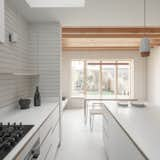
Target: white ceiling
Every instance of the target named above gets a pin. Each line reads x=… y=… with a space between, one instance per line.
x=96 y=13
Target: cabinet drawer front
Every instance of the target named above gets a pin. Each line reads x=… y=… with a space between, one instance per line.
x=28 y=147
x=54 y=146
x=50 y=122
x=45 y=146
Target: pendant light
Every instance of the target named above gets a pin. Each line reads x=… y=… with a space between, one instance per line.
x=145 y=42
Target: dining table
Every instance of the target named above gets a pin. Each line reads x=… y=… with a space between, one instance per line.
x=97 y=98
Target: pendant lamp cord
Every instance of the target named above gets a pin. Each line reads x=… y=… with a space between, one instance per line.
x=144 y=17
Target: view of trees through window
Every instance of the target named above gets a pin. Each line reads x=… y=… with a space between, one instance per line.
x=107 y=78
x=77 y=77
x=93 y=79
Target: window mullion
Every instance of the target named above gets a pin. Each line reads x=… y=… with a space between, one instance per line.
x=116 y=79
x=100 y=76
x=85 y=78
x=130 y=80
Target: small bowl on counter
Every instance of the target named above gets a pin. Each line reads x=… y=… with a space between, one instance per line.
x=138 y=104
x=24 y=103
x=123 y=104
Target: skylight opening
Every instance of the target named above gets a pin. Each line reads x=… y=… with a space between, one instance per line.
x=55 y=3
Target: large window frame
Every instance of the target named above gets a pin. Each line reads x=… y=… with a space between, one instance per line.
x=116 y=62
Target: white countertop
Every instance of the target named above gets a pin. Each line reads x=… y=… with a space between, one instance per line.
x=33 y=116
x=142 y=125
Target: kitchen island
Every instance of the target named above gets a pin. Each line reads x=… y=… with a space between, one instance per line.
x=131 y=133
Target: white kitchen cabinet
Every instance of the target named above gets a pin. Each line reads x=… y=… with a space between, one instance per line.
x=49 y=124
x=2 y=23
x=117 y=143
x=50 y=136
x=54 y=145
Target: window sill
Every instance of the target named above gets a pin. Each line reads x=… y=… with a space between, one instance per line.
x=78 y=97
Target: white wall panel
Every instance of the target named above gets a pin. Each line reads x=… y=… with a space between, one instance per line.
x=14 y=57
x=37 y=50
x=153 y=78
x=46 y=43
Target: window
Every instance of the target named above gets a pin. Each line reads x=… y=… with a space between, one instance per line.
x=123 y=79
x=93 y=78
x=108 y=78
x=77 y=78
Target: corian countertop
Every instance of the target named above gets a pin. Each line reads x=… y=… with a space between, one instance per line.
x=142 y=125
x=33 y=116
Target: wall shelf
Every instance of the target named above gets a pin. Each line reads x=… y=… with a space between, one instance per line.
x=19 y=74
x=25 y=74
x=6 y=73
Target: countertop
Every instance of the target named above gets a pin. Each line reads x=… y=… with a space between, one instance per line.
x=33 y=116
x=141 y=124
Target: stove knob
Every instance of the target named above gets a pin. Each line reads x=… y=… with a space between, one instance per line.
x=14 y=124
x=8 y=125
x=1 y=126
x=20 y=126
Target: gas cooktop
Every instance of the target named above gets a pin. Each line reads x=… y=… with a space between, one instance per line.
x=10 y=136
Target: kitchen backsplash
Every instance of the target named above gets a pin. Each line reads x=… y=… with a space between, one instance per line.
x=14 y=57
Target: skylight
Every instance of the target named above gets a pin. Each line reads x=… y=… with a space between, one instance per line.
x=55 y=3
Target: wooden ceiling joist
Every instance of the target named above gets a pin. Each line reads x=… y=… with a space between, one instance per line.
x=107 y=38
x=99 y=48
x=111 y=35
x=110 y=30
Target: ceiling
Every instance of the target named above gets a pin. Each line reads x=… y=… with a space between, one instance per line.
x=95 y=13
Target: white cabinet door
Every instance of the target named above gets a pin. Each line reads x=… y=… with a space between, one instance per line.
x=2 y=28
x=120 y=145
x=55 y=142
x=49 y=123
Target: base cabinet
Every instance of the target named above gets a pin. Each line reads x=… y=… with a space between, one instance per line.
x=54 y=146
x=118 y=145
x=50 y=137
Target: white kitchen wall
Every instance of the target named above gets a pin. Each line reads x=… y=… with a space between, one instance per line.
x=139 y=71
x=14 y=58
x=153 y=77
x=45 y=41
x=36 y=51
